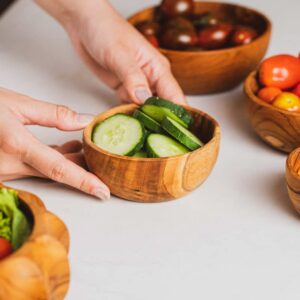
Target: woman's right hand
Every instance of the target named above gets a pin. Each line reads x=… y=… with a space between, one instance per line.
x=23 y=155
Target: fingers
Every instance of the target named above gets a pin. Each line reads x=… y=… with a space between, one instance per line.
x=55 y=166
x=47 y=114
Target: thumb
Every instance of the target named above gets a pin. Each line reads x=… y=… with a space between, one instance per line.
x=131 y=76
x=51 y=115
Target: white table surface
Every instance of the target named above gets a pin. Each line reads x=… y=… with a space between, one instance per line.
x=236 y=237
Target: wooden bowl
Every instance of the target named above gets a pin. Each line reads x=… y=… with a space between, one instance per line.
x=293 y=177
x=40 y=268
x=154 y=179
x=205 y=72
x=277 y=127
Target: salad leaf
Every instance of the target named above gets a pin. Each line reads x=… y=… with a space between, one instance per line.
x=5 y=226
x=19 y=225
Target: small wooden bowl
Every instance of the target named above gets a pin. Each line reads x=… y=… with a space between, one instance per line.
x=205 y=72
x=293 y=178
x=277 y=127
x=40 y=268
x=154 y=179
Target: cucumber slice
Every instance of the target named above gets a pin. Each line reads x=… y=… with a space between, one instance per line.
x=158 y=109
x=147 y=121
x=140 y=154
x=181 y=134
x=119 y=134
x=159 y=145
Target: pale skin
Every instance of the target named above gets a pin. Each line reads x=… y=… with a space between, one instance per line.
x=119 y=56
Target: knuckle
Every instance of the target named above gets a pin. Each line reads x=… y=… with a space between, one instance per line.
x=12 y=144
x=63 y=112
x=57 y=171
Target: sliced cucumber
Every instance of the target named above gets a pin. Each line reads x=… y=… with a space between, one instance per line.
x=158 y=109
x=140 y=153
x=120 y=134
x=181 y=134
x=147 y=121
x=159 y=145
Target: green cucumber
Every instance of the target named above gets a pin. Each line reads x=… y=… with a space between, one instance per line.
x=141 y=154
x=119 y=134
x=181 y=134
x=159 y=145
x=158 y=108
x=147 y=121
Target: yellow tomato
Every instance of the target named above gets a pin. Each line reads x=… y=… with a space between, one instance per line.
x=287 y=101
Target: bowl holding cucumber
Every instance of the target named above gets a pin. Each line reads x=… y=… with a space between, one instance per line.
x=152 y=153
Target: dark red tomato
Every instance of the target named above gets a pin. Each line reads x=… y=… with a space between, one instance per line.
x=214 y=37
x=148 y=28
x=180 y=23
x=243 y=35
x=5 y=248
x=152 y=39
x=178 y=39
x=176 y=8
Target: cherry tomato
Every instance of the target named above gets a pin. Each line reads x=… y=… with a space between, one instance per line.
x=243 y=35
x=287 y=101
x=5 y=248
x=152 y=39
x=296 y=90
x=214 y=37
x=282 y=71
x=180 y=23
x=268 y=94
x=178 y=39
x=177 y=8
x=148 y=28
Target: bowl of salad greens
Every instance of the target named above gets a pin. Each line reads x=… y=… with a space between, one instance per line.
x=151 y=153
x=33 y=248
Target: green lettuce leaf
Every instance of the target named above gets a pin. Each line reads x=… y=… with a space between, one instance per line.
x=19 y=225
x=5 y=226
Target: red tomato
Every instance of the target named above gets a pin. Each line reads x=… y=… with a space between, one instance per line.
x=243 y=35
x=152 y=39
x=177 y=8
x=5 y=248
x=282 y=71
x=214 y=37
x=268 y=94
x=296 y=90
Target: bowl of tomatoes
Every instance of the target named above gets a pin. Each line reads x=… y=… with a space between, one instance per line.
x=33 y=248
x=211 y=46
x=273 y=94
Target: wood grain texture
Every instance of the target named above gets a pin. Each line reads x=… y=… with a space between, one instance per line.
x=277 y=127
x=293 y=178
x=206 y=72
x=154 y=179
x=40 y=268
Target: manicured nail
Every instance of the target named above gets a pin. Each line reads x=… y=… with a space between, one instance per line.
x=142 y=95
x=85 y=119
x=101 y=194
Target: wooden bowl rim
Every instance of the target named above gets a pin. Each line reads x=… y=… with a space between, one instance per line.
x=88 y=141
x=252 y=96
x=289 y=164
x=218 y=51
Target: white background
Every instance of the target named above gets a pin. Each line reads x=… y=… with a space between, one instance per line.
x=236 y=237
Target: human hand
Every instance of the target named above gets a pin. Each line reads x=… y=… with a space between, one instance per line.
x=118 y=54
x=23 y=155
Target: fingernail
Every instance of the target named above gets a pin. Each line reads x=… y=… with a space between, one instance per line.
x=142 y=94
x=101 y=194
x=85 y=119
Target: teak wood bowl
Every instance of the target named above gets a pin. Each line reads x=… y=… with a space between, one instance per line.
x=40 y=268
x=205 y=72
x=277 y=127
x=154 y=179
x=293 y=178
